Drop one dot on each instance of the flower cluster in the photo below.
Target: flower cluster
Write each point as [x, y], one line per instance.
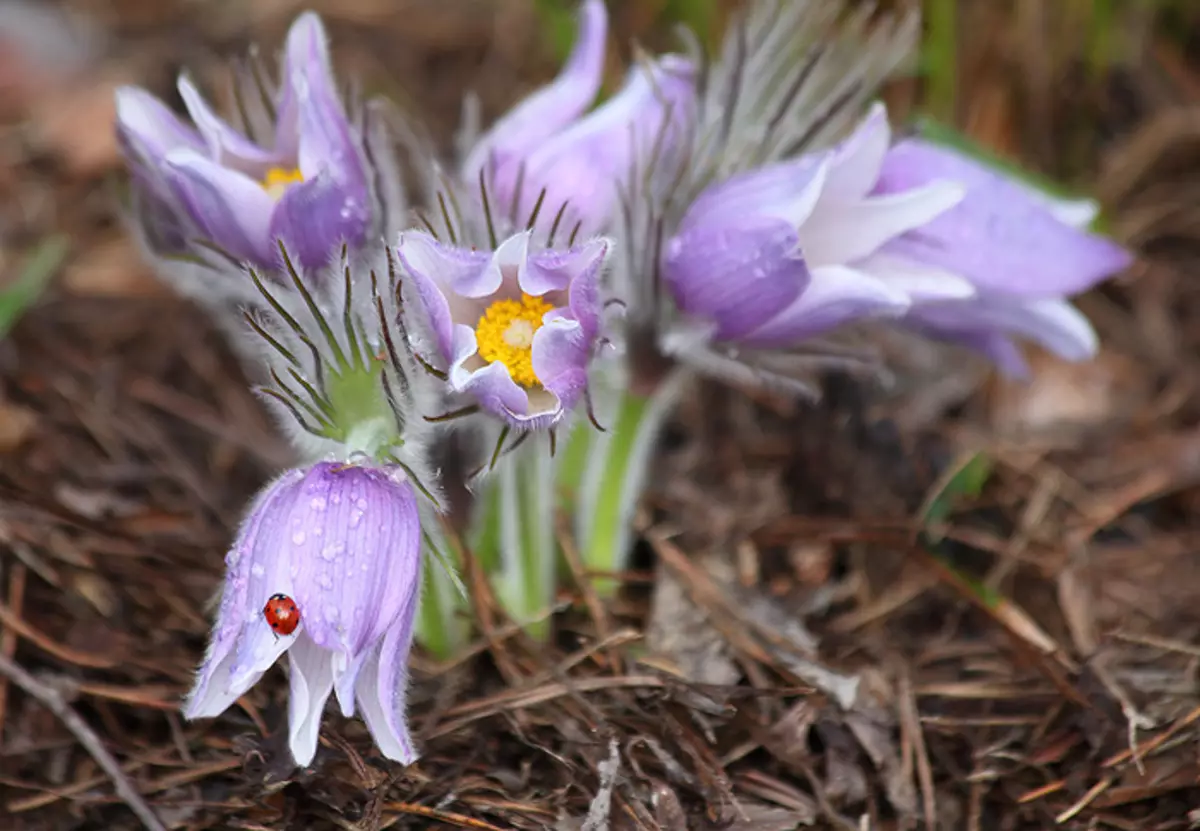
[718, 216]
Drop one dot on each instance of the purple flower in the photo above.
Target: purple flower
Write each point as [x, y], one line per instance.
[550, 143]
[343, 542]
[306, 184]
[781, 253]
[516, 328]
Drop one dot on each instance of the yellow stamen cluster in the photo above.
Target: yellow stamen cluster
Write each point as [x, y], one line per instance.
[505, 334]
[278, 179]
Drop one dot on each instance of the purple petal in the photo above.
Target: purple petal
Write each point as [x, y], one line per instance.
[327, 142]
[922, 283]
[316, 216]
[246, 582]
[836, 295]
[737, 275]
[454, 269]
[554, 106]
[226, 146]
[307, 67]
[1055, 324]
[844, 234]
[382, 693]
[561, 351]
[577, 270]
[855, 163]
[998, 237]
[490, 385]
[150, 127]
[231, 209]
[311, 683]
[787, 191]
[355, 537]
[584, 164]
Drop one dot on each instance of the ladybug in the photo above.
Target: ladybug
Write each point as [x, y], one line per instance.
[282, 614]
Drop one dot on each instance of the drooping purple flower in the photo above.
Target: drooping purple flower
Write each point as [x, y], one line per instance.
[516, 327]
[782, 253]
[305, 183]
[550, 144]
[343, 542]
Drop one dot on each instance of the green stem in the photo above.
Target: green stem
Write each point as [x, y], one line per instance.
[615, 476]
[525, 483]
[442, 624]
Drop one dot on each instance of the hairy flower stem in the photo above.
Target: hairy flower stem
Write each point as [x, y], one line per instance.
[442, 625]
[520, 524]
[612, 471]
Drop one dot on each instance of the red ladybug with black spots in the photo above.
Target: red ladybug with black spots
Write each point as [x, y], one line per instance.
[282, 614]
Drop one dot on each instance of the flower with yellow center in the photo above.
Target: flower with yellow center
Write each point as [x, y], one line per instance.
[279, 179]
[505, 334]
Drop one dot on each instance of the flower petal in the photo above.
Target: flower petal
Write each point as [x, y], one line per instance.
[922, 283]
[315, 217]
[355, 538]
[561, 352]
[585, 164]
[842, 235]
[150, 127]
[1055, 324]
[226, 146]
[737, 275]
[855, 164]
[577, 271]
[247, 564]
[491, 385]
[228, 207]
[312, 671]
[307, 68]
[787, 191]
[998, 237]
[451, 268]
[382, 690]
[555, 105]
[836, 295]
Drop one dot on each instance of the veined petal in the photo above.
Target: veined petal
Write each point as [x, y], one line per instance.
[355, 537]
[787, 191]
[227, 206]
[584, 164]
[922, 283]
[307, 73]
[312, 673]
[316, 216]
[737, 275]
[382, 690]
[491, 385]
[555, 105]
[1053, 323]
[844, 234]
[150, 126]
[835, 296]
[561, 352]
[856, 163]
[247, 565]
[460, 270]
[576, 271]
[226, 145]
[999, 237]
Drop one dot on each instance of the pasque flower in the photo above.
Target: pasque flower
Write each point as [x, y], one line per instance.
[303, 181]
[516, 327]
[778, 254]
[342, 540]
[549, 148]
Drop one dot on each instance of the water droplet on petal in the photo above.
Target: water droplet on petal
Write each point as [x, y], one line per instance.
[317, 502]
[324, 580]
[299, 537]
[257, 570]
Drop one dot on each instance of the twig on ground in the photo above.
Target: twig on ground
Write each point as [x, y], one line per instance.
[53, 701]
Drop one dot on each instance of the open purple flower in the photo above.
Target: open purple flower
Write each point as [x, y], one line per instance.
[342, 541]
[549, 143]
[782, 253]
[305, 183]
[516, 327]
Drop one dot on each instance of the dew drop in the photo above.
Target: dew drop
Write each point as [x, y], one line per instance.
[318, 503]
[324, 580]
[299, 537]
[257, 570]
[356, 519]
[336, 498]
